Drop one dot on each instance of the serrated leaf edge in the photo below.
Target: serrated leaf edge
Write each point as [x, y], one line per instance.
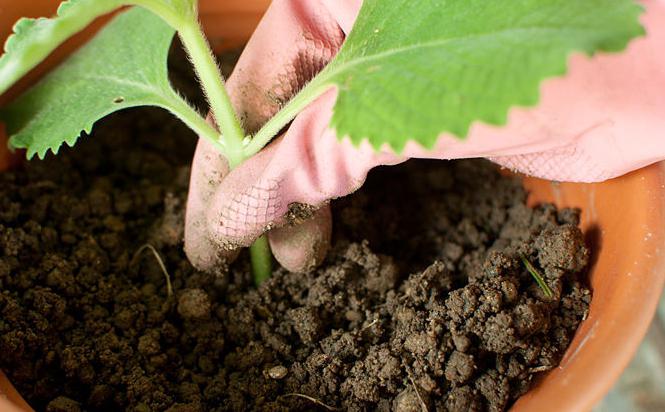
[531, 101]
[15, 62]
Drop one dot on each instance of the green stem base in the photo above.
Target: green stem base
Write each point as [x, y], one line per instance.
[261, 258]
[232, 136]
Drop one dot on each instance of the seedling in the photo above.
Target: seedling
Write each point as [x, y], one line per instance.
[404, 72]
[538, 278]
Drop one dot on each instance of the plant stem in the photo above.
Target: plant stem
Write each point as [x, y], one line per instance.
[183, 111]
[261, 260]
[160, 8]
[231, 144]
[211, 79]
[306, 96]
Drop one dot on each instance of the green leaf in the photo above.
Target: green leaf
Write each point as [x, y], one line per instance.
[410, 71]
[125, 65]
[34, 39]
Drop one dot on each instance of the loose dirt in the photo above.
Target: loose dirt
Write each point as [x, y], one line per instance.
[424, 302]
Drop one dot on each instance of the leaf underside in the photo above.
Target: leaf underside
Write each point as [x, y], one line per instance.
[125, 65]
[412, 71]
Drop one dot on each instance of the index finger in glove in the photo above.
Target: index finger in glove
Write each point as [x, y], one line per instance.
[293, 42]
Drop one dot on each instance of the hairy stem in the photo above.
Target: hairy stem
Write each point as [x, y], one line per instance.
[301, 100]
[188, 115]
[261, 259]
[231, 144]
[211, 79]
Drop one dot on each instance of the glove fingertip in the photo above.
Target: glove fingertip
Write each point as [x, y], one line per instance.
[203, 253]
[302, 247]
[209, 258]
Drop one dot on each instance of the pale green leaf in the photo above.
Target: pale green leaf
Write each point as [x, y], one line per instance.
[124, 65]
[34, 39]
[412, 70]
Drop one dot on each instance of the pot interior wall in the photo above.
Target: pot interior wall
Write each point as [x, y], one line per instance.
[623, 223]
[622, 219]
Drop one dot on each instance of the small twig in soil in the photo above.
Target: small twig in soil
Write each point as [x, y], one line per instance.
[538, 277]
[374, 322]
[309, 398]
[420, 398]
[147, 246]
[537, 369]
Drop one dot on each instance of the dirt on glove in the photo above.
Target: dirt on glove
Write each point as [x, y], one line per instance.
[424, 302]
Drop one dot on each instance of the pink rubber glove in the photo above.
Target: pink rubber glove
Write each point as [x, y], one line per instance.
[603, 119]
[6, 406]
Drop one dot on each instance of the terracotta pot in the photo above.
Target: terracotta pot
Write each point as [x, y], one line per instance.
[623, 219]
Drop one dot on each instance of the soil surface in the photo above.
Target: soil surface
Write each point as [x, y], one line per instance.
[424, 303]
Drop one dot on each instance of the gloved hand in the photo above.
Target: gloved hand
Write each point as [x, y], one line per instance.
[10, 400]
[606, 117]
[7, 406]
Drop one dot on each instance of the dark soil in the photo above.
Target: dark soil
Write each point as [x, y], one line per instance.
[424, 302]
